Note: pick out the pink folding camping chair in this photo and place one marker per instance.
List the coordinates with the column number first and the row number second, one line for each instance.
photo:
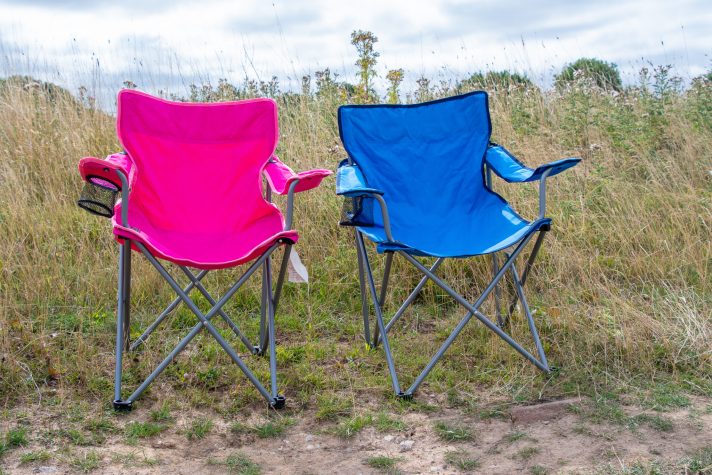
column 190, row 180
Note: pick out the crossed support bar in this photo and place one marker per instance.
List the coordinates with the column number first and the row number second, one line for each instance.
column 266, row 341
column 381, row 331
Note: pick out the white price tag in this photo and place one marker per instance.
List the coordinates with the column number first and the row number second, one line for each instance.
column 297, row 272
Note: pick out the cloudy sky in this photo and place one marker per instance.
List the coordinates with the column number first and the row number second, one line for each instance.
column 167, row 44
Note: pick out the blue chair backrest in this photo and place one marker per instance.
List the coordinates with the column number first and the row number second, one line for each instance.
column 427, row 158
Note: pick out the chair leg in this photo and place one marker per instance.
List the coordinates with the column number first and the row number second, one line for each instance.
column 518, row 284
column 364, row 301
column 384, row 290
column 122, row 316
column 281, row 276
column 272, row 348
column 379, row 318
column 268, row 298
column 278, row 401
column 127, row 298
column 528, row 266
column 262, row 344
column 497, row 306
column 268, row 345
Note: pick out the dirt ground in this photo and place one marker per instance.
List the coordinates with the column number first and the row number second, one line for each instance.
column 570, row 436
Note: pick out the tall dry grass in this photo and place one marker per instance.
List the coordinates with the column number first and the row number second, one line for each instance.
column 622, row 290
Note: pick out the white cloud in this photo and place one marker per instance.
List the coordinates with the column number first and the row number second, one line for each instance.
column 161, row 44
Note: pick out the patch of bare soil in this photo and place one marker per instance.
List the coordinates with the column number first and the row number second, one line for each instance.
column 554, row 438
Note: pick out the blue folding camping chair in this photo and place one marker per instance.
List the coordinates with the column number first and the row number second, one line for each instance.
column 417, row 182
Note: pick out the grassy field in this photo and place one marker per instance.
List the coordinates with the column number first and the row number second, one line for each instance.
column 622, row 290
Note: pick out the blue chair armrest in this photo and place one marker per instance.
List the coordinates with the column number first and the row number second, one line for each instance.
column 507, row 167
column 351, row 182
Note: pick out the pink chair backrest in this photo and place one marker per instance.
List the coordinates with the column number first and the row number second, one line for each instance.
column 197, row 166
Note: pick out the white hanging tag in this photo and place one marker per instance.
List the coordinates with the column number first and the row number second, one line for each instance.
column 297, row 272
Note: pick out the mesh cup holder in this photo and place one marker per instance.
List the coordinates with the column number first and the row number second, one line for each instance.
column 357, row 211
column 99, row 196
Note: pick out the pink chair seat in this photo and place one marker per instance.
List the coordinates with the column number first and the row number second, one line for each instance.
column 206, row 250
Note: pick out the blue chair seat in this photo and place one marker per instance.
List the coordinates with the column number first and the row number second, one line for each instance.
column 491, row 226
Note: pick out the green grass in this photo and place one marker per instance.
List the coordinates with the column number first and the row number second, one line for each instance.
column 515, row 436
column 608, row 409
column 14, row 438
column 664, row 397
column 87, row 462
column 452, row 432
column 331, row 407
column 538, row 470
column 83, row 439
column 238, row 463
column 35, row 456
column 527, row 452
column 654, row 421
column 347, row 427
column 352, row 426
column 698, row 462
column 269, row 430
column 462, row 460
column 199, row 428
column 100, row 425
column 240, row 428
column 383, row 463
column 141, row 430
column 384, row 422
column 132, row 459
column 76, row 437
column 162, row 414
column 494, row 412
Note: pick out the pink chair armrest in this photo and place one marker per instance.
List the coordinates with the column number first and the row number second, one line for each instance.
column 280, row 177
column 96, row 170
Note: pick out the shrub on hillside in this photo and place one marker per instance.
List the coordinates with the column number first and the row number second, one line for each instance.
column 494, row 80
column 605, row 75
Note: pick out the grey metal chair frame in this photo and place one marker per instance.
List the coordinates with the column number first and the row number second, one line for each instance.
column 269, row 302
column 380, row 334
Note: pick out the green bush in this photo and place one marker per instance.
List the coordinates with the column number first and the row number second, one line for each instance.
column 604, row 74
column 494, row 80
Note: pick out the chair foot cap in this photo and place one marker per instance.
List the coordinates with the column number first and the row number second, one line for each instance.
column 122, row 406
column 404, row 397
column 277, row 403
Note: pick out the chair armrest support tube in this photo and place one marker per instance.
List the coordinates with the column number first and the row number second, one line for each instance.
column 542, row 193
column 384, row 210
column 386, row 218
column 124, row 198
column 290, row 205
